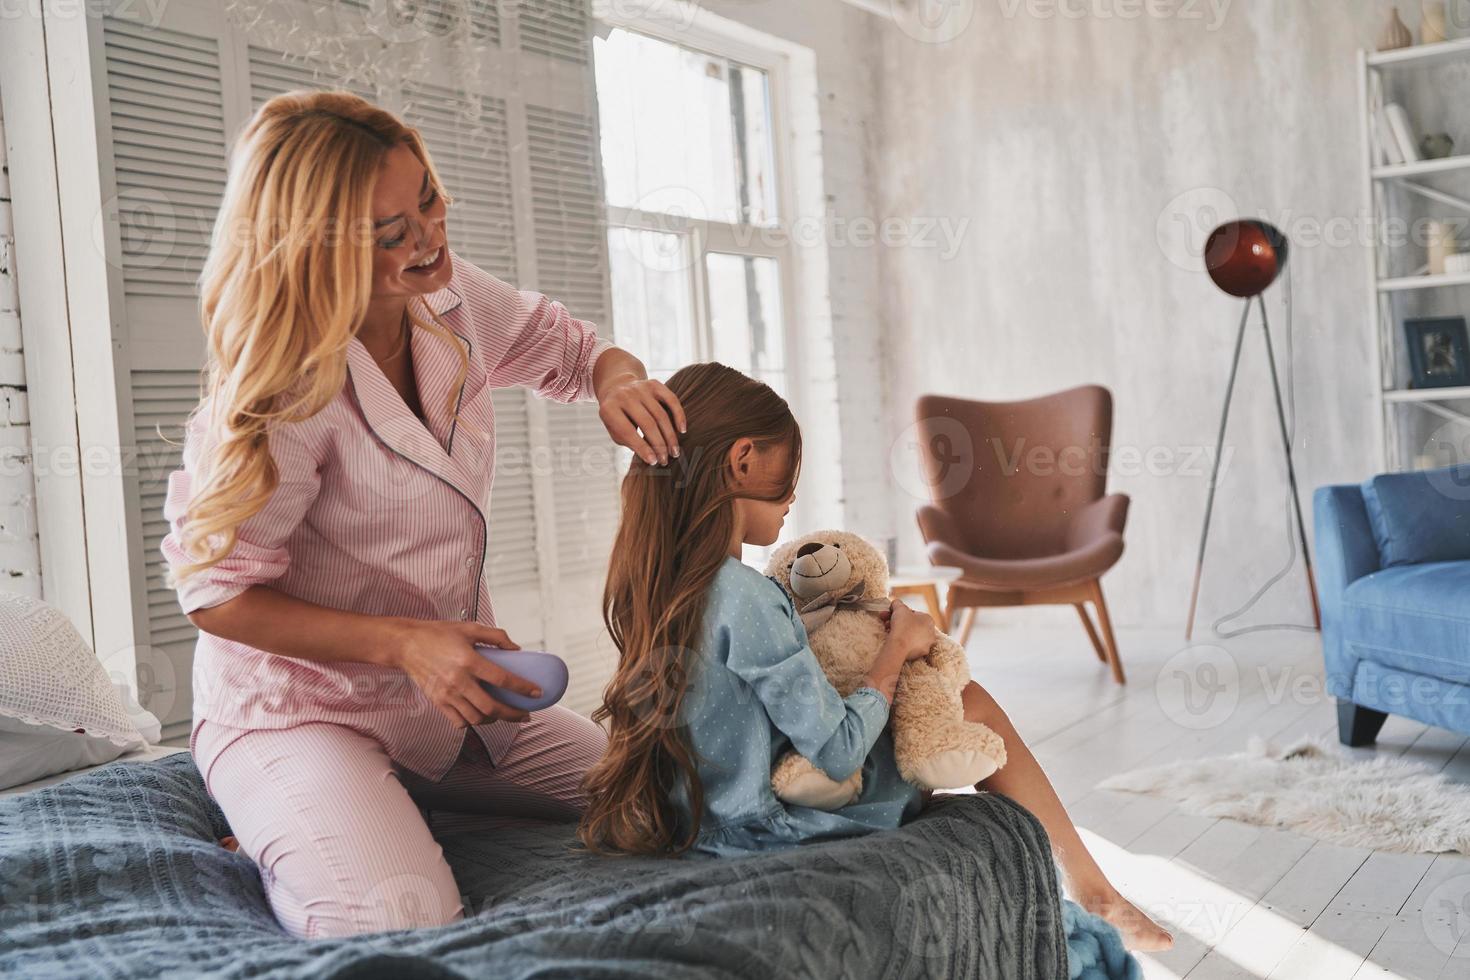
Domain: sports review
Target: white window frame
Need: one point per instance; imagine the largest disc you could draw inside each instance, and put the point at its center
(795, 133)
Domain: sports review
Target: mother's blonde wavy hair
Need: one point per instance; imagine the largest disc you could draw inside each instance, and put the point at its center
(284, 288)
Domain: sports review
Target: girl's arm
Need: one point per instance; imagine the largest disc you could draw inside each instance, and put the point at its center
(834, 733)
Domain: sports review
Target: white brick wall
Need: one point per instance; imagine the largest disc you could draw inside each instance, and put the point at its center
(20, 559)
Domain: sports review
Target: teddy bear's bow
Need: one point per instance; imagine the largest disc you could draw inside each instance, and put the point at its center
(816, 612)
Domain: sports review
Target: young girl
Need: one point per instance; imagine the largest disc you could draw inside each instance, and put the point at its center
(715, 680)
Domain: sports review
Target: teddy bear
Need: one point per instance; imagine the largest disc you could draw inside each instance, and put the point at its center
(838, 583)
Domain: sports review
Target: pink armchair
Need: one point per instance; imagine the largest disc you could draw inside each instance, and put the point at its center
(1029, 523)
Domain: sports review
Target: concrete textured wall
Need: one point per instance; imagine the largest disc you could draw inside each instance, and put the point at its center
(20, 560)
(1081, 148)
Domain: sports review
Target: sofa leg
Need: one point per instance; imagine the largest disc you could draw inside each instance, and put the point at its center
(1356, 725)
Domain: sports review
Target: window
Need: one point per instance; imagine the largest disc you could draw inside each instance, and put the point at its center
(696, 244)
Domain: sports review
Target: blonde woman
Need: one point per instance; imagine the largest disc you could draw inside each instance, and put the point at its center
(328, 527)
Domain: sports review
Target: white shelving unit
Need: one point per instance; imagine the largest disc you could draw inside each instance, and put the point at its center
(1389, 288)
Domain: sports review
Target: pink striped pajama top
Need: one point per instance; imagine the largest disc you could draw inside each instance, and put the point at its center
(376, 513)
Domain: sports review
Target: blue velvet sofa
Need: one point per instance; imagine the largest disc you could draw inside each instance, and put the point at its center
(1393, 558)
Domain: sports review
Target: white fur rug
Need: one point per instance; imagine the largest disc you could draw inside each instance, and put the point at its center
(1310, 787)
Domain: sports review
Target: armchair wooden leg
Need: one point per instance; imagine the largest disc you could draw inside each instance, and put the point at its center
(936, 611)
(1095, 587)
(1091, 631)
(967, 621)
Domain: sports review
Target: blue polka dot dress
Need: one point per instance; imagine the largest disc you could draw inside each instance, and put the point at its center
(756, 691)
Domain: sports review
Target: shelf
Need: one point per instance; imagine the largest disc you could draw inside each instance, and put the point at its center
(1419, 55)
(1422, 282)
(1443, 165)
(1426, 394)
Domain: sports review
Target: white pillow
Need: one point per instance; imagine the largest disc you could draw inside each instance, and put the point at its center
(58, 708)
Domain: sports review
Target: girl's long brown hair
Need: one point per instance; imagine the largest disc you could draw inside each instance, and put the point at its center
(677, 525)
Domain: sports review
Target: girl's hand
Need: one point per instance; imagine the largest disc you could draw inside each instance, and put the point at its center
(912, 630)
(627, 406)
(441, 659)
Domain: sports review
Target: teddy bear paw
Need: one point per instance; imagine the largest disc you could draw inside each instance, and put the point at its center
(953, 769)
(819, 791)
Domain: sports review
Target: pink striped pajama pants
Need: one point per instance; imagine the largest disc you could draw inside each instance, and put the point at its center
(342, 835)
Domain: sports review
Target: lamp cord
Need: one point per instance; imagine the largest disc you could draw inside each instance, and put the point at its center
(1290, 504)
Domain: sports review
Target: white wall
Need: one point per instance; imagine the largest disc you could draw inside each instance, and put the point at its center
(1067, 142)
(20, 560)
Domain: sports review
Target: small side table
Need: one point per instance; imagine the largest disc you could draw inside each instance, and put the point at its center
(923, 582)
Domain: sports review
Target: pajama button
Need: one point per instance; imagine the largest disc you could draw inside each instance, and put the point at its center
(463, 613)
(469, 562)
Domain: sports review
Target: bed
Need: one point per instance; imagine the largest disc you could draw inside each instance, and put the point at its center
(117, 873)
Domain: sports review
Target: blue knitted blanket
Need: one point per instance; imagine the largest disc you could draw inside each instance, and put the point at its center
(117, 873)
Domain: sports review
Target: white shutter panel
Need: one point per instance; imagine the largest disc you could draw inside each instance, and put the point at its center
(513, 557)
(166, 117)
(272, 73)
(161, 401)
(168, 147)
(566, 200)
(557, 29)
(513, 562)
(571, 266)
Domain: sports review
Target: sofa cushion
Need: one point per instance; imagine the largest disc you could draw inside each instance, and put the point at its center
(1413, 617)
(1420, 517)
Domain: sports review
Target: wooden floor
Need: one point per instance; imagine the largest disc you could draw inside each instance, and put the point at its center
(1242, 900)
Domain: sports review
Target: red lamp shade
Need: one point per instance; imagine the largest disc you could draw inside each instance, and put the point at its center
(1244, 257)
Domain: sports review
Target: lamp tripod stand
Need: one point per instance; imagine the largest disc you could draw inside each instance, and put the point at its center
(1243, 258)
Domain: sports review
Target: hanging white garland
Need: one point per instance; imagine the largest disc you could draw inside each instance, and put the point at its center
(377, 45)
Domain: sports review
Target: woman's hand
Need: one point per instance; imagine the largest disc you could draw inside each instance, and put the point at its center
(914, 632)
(635, 404)
(629, 404)
(441, 659)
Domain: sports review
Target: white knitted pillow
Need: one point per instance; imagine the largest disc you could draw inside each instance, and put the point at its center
(58, 708)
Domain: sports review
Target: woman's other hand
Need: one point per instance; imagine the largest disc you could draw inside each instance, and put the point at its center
(441, 659)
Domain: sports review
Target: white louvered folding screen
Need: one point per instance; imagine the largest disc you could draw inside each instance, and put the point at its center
(166, 120)
(527, 189)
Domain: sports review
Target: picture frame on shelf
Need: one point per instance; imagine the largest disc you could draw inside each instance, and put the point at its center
(1439, 351)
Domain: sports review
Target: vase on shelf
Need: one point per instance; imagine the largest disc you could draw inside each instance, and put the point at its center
(1441, 244)
(1437, 146)
(1395, 33)
(1432, 22)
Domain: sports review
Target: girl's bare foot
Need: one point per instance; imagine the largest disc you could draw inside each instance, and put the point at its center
(1140, 933)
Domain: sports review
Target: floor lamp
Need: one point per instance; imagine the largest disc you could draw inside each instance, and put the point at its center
(1244, 258)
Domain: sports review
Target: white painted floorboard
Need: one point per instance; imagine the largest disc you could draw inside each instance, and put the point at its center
(1243, 901)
